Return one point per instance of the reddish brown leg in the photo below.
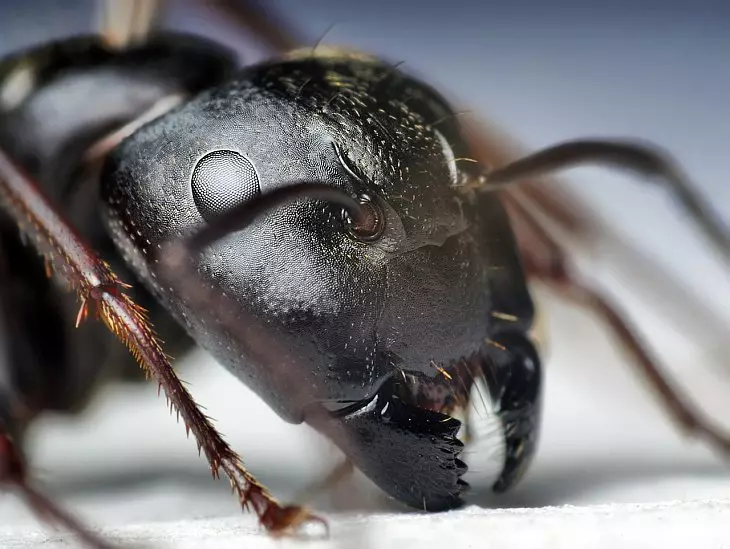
(13, 473)
(545, 260)
(338, 474)
(494, 149)
(124, 23)
(267, 26)
(97, 285)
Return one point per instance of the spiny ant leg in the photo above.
(96, 284)
(22, 308)
(396, 428)
(545, 260)
(177, 263)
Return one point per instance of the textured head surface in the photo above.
(327, 317)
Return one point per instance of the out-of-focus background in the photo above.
(546, 72)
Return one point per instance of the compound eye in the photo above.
(221, 181)
(371, 224)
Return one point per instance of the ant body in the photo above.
(322, 223)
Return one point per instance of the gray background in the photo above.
(546, 72)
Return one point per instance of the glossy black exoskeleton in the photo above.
(55, 102)
(355, 315)
(386, 331)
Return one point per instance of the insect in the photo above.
(290, 214)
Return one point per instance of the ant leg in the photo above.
(637, 157)
(124, 23)
(76, 263)
(267, 26)
(337, 474)
(13, 474)
(34, 374)
(538, 213)
(545, 260)
(571, 214)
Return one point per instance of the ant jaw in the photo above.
(410, 452)
(461, 391)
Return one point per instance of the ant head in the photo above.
(323, 248)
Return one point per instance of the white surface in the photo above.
(610, 470)
(681, 524)
(607, 453)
